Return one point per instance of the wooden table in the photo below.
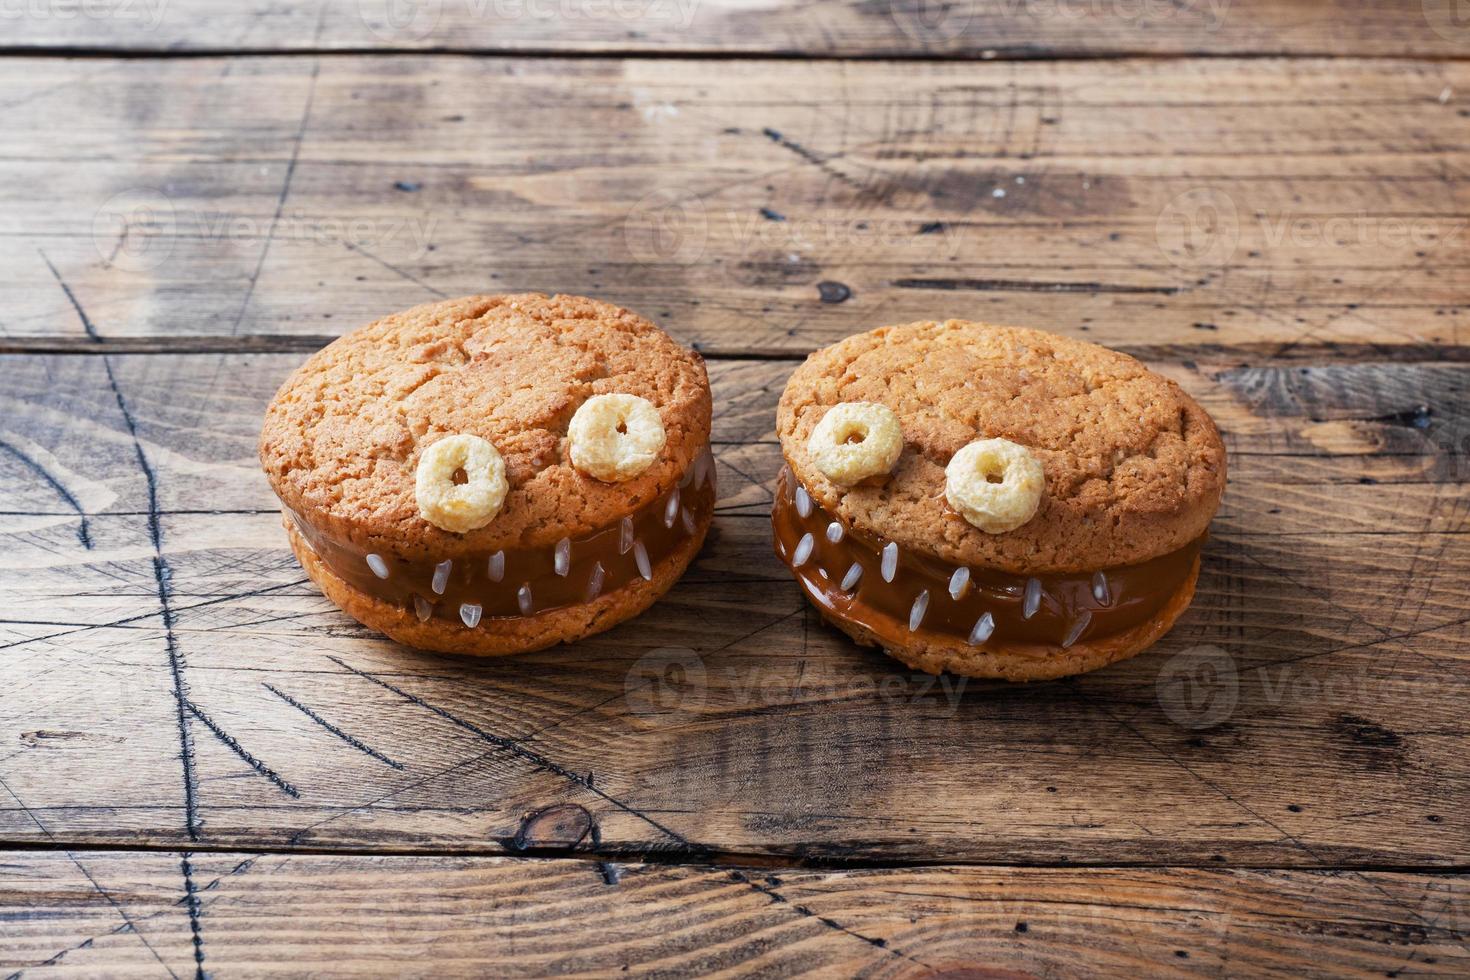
(206, 769)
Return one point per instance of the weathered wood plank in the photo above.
(1259, 205)
(1308, 710)
(976, 28)
(332, 915)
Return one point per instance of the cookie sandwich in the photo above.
(993, 501)
(495, 474)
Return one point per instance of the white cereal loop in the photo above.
(855, 440)
(994, 484)
(465, 506)
(615, 437)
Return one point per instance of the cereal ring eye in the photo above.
(995, 484)
(460, 507)
(856, 440)
(615, 437)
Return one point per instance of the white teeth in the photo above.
(803, 502)
(640, 555)
(470, 613)
(959, 583)
(523, 599)
(441, 576)
(563, 558)
(851, 578)
(496, 566)
(422, 608)
(704, 468)
(916, 614)
(1077, 628)
(984, 626)
(687, 478)
(688, 520)
(378, 565)
(594, 583)
(889, 565)
(1032, 600)
(803, 551)
(671, 509)
(625, 536)
(1100, 589)
(834, 532)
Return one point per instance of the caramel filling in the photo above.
(897, 594)
(526, 581)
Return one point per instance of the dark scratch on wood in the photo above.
(71, 298)
(270, 234)
(195, 914)
(1032, 286)
(234, 746)
(83, 533)
(349, 739)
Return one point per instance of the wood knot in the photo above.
(562, 826)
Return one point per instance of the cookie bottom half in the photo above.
(502, 635)
(1015, 661)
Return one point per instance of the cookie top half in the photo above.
(1134, 467)
(344, 434)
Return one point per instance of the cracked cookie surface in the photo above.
(1134, 467)
(343, 436)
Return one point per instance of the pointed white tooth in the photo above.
(563, 557)
(671, 509)
(889, 565)
(704, 468)
(470, 613)
(422, 608)
(1031, 601)
(984, 626)
(640, 555)
(916, 614)
(496, 566)
(378, 565)
(625, 536)
(835, 532)
(959, 583)
(803, 501)
(594, 582)
(1077, 629)
(688, 520)
(523, 599)
(851, 578)
(441, 576)
(688, 477)
(803, 550)
(1101, 591)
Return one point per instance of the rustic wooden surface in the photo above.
(206, 769)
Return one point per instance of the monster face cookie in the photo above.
(495, 474)
(993, 501)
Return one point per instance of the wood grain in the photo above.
(1305, 713)
(335, 915)
(1265, 210)
(845, 28)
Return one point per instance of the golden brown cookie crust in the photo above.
(503, 636)
(1134, 467)
(342, 437)
(1023, 661)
